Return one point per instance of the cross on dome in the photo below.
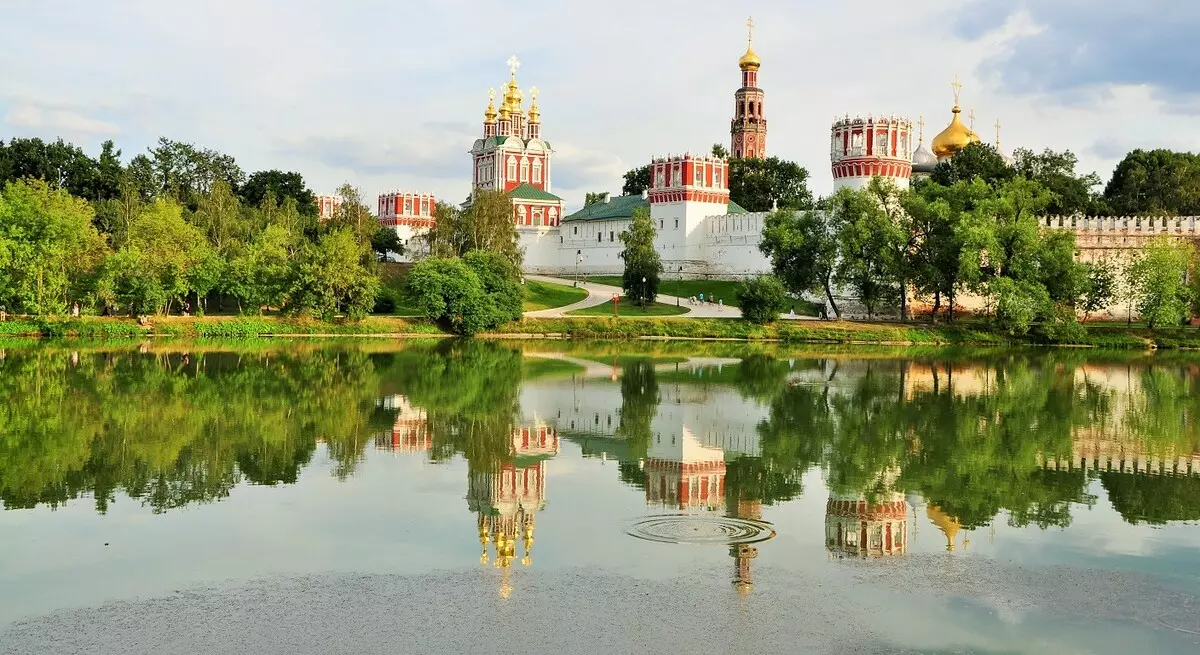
(997, 126)
(750, 30)
(971, 117)
(513, 65)
(533, 93)
(921, 127)
(957, 86)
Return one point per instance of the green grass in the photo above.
(546, 295)
(630, 310)
(544, 367)
(726, 290)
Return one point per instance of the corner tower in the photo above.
(748, 129)
(875, 146)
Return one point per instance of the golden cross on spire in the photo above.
(971, 118)
(513, 65)
(533, 93)
(921, 128)
(997, 133)
(750, 31)
(957, 86)
(491, 96)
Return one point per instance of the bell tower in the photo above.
(748, 129)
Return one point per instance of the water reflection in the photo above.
(1028, 439)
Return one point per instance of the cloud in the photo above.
(1082, 47)
(54, 122)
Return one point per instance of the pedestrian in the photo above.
(793, 312)
(187, 306)
(701, 297)
(3, 313)
(720, 304)
(75, 310)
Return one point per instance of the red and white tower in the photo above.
(512, 157)
(748, 129)
(409, 214)
(863, 148)
(684, 190)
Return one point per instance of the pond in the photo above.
(565, 497)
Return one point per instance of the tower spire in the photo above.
(997, 126)
(920, 129)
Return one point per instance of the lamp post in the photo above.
(578, 261)
(680, 285)
(643, 291)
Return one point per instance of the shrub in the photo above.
(762, 299)
(501, 281)
(449, 292)
(1019, 304)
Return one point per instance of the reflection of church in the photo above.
(410, 432)
(858, 527)
(507, 497)
(686, 474)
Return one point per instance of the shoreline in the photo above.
(854, 333)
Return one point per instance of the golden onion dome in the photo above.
(535, 114)
(749, 61)
(513, 96)
(489, 115)
(954, 138)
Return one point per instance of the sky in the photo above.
(390, 94)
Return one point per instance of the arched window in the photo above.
(408, 207)
(521, 216)
(512, 167)
(553, 216)
(537, 215)
(537, 170)
(524, 170)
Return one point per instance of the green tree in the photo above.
(280, 185)
(354, 215)
(219, 217)
(803, 252)
(762, 299)
(867, 244)
(449, 292)
(592, 198)
(332, 277)
(1155, 182)
(262, 274)
(448, 236)
(185, 172)
(59, 164)
(1073, 194)
(487, 224)
(761, 185)
(501, 280)
(1100, 287)
(977, 160)
(720, 151)
(637, 181)
(49, 248)
(643, 266)
(386, 240)
(1159, 276)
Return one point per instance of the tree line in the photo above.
(178, 228)
(974, 226)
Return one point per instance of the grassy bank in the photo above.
(547, 295)
(630, 310)
(211, 326)
(626, 327)
(726, 290)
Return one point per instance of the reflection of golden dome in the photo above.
(954, 138)
(750, 60)
(948, 525)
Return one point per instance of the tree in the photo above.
(185, 172)
(386, 240)
(637, 181)
(1100, 287)
(447, 237)
(803, 252)
(49, 248)
(867, 245)
(218, 215)
(719, 151)
(762, 299)
(1155, 182)
(936, 265)
(977, 160)
(281, 185)
(353, 215)
(643, 266)
(760, 185)
(904, 226)
(262, 274)
(594, 197)
(59, 164)
(1073, 194)
(501, 280)
(486, 225)
(450, 293)
(1159, 275)
(332, 277)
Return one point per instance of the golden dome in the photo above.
(489, 115)
(535, 114)
(750, 60)
(512, 97)
(954, 138)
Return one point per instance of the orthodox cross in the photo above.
(957, 86)
(513, 65)
(491, 96)
(997, 133)
(921, 127)
(971, 117)
(750, 30)
(533, 91)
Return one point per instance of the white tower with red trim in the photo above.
(685, 190)
(410, 215)
(863, 148)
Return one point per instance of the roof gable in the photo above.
(526, 191)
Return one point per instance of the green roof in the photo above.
(622, 207)
(619, 207)
(526, 191)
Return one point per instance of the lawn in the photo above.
(630, 310)
(725, 290)
(545, 295)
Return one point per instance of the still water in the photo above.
(479, 497)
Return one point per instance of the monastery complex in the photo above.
(701, 233)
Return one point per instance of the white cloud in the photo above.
(366, 90)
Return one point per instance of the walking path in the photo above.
(598, 294)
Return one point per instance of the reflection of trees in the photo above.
(174, 429)
(1153, 499)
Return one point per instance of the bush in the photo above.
(762, 299)
(449, 292)
(501, 281)
(1019, 304)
